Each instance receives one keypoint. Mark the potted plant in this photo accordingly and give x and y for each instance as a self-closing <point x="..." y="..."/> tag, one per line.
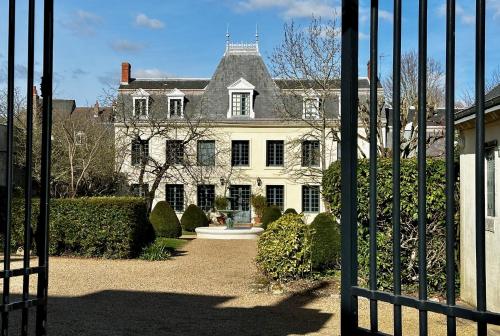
<point x="221" y="203"/>
<point x="259" y="203"/>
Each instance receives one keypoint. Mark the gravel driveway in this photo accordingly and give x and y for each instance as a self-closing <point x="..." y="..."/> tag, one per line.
<point x="205" y="290"/>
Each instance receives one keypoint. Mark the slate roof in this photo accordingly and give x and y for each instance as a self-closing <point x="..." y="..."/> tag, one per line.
<point x="63" y="106"/>
<point x="165" y="84"/>
<point x="492" y="98"/>
<point x="437" y="119"/>
<point x="290" y="84"/>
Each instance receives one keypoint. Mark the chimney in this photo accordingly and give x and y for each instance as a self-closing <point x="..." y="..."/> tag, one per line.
<point x="125" y="73"/>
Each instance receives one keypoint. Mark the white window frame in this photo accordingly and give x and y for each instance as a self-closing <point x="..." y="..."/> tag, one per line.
<point x="140" y="94"/>
<point x="310" y="95"/>
<point x="176" y="94"/>
<point x="241" y="86"/>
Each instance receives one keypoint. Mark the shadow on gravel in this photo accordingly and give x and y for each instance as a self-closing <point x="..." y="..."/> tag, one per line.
<point x="146" y="313"/>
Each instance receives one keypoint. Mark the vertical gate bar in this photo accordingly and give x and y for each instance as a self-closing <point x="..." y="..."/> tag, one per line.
<point x="10" y="161"/>
<point x="48" y="35"/>
<point x="396" y="163"/>
<point x="422" y="137"/>
<point x="349" y="138"/>
<point x="480" y="189"/>
<point x="450" y="164"/>
<point x="29" y="162"/>
<point x="373" y="160"/>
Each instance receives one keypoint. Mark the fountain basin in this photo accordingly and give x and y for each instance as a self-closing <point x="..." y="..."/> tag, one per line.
<point x="222" y="232"/>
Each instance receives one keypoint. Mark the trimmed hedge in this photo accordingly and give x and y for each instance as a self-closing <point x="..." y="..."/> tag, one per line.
<point x="193" y="217"/>
<point x="109" y="227"/>
<point x="165" y="221"/>
<point x="325" y="241"/>
<point x="290" y="211"/>
<point x="436" y="229"/>
<point x="284" y="249"/>
<point x="269" y="215"/>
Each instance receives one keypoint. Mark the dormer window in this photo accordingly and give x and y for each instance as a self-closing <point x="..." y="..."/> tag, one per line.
<point x="176" y="103"/>
<point x="311" y="105"/>
<point x="141" y="103"/>
<point x="241" y="99"/>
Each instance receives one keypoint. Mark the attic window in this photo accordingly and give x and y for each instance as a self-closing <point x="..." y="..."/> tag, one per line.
<point x="176" y="103"/>
<point x="141" y="103"/>
<point x="241" y="95"/>
<point x="311" y="105"/>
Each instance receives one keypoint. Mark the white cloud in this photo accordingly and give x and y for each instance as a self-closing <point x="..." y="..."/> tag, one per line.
<point x="82" y="23"/>
<point x="294" y="8"/>
<point x="142" y="20"/>
<point x="494" y="5"/>
<point x="150" y="73"/>
<point x="383" y="15"/>
<point x="126" y="46"/>
<point x="464" y="16"/>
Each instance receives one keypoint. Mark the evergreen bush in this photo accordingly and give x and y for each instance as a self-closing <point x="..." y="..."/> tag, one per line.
<point x="193" y="217"/>
<point x="165" y="221"/>
<point x="269" y="215"/>
<point x="325" y="250"/>
<point x="290" y="211"/>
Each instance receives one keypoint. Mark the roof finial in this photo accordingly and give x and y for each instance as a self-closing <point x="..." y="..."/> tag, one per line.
<point x="256" y="34"/>
<point x="227" y="34"/>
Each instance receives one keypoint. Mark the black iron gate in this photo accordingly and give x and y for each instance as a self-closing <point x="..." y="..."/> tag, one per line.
<point x="12" y="269"/>
<point x="350" y="290"/>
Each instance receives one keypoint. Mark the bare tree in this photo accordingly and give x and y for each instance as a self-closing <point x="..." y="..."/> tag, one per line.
<point x="410" y="102"/>
<point x="469" y="94"/>
<point x="307" y="64"/>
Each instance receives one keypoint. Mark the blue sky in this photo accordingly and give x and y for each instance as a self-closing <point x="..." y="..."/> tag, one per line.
<point x="186" y="38"/>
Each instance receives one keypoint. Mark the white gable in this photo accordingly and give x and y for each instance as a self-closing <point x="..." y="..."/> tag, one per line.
<point x="241" y="84"/>
<point x="140" y="93"/>
<point x="176" y="93"/>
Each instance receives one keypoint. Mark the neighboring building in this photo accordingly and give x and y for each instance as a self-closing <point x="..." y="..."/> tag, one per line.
<point x="250" y="146"/>
<point x="465" y="122"/>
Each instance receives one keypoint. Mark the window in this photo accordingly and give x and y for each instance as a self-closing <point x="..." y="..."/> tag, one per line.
<point x="175" y="152"/>
<point x="275" y="153"/>
<point x="311" y="108"/>
<point x="339" y="151"/>
<point x="175" y="107"/>
<point x="206" y="196"/>
<point x="240" y="153"/>
<point x="140" y="151"/>
<point x="310" y="153"/>
<point x="141" y="107"/>
<point x="310" y="198"/>
<point x="139" y="190"/>
<point x="240" y="104"/>
<point x="206" y="153"/>
<point x="80" y="138"/>
<point x="175" y="196"/>
<point x="490" y="183"/>
<point x="275" y="195"/>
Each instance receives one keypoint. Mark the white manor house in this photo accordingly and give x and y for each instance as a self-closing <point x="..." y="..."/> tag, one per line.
<point x="237" y="134"/>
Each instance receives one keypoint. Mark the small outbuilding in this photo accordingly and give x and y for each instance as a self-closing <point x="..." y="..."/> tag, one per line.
<point x="465" y="124"/>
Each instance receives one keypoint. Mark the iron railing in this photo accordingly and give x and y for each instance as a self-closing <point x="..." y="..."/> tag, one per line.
<point x="25" y="301"/>
<point x="350" y="291"/>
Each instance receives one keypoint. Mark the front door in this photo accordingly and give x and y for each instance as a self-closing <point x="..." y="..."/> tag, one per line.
<point x="240" y="201"/>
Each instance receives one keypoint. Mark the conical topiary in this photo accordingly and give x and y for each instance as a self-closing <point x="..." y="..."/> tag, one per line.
<point x="270" y="214"/>
<point x="193" y="217"/>
<point x="290" y="211"/>
<point x="165" y="221"/>
<point x="325" y="246"/>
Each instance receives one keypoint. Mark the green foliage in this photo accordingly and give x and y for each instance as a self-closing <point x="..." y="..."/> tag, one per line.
<point x="435" y="222"/>
<point x="284" y="249"/>
<point x="259" y="203"/>
<point x="193" y="217"/>
<point x="269" y="215"/>
<point x="165" y="221"/>
<point x="221" y="203"/>
<point x="290" y="211"/>
<point x="325" y="241"/>
<point x="161" y="249"/>
<point x="109" y="227"/>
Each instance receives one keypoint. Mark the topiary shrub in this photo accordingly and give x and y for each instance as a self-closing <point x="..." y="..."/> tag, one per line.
<point x="325" y="250"/>
<point x="193" y="217"/>
<point x="165" y="221"/>
<point x="269" y="215"/>
<point x="436" y="225"/>
<point x="221" y="203"/>
<point x="259" y="203"/>
<point x="290" y="211"/>
<point x="284" y="249"/>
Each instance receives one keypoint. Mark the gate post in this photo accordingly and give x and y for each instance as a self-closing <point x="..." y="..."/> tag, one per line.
<point x="349" y="136"/>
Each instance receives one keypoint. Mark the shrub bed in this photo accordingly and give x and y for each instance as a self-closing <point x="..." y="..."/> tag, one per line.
<point x="325" y="241"/>
<point x="436" y="230"/>
<point x="165" y="221"/>
<point x="193" y="217"/>
<point x="109" y="227"/>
